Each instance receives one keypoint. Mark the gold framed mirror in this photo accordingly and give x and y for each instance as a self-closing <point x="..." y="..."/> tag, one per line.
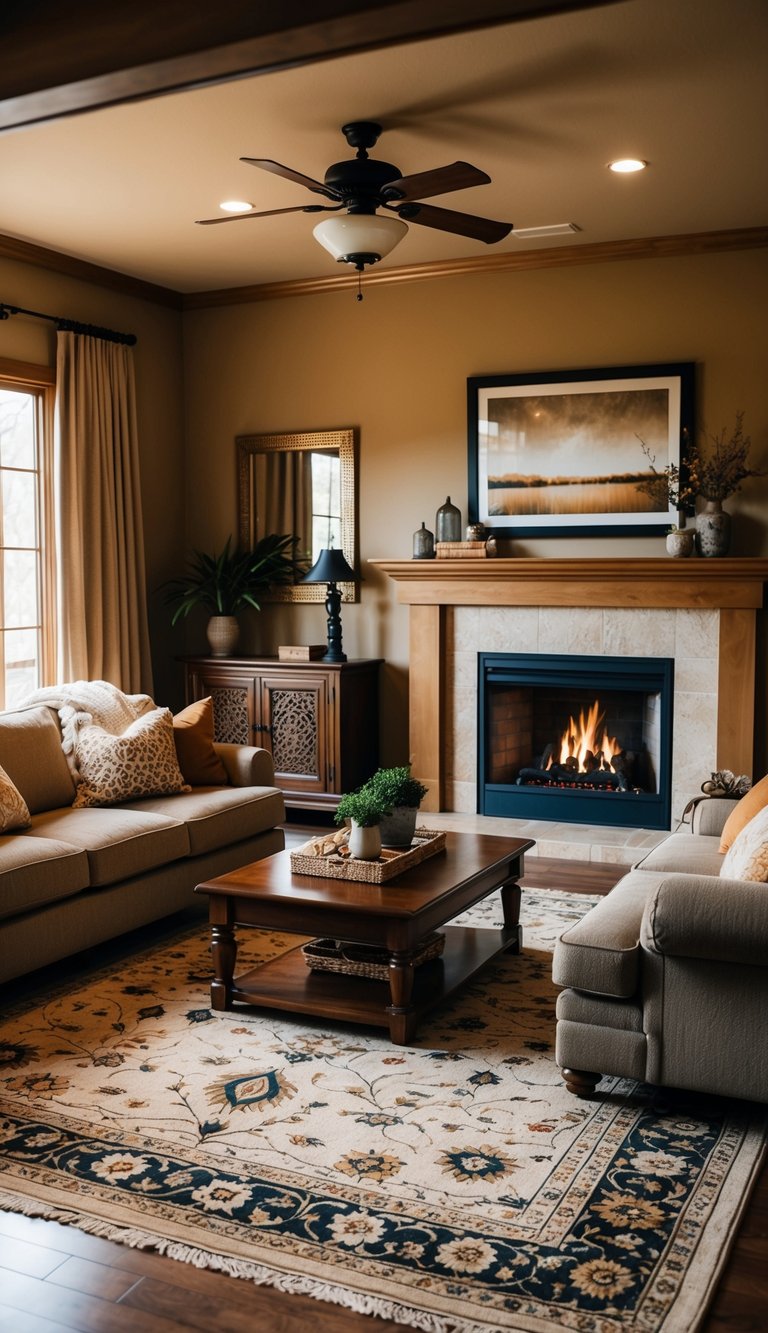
<point x="303" y="483"/>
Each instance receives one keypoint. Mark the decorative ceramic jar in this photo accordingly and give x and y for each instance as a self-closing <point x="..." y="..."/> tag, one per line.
<point x="223" y="633"/>
<point x="448" y="522"/>
<point x="681" y="541"/>
<point x="423" y="544"/>
<point x="475" y="532"/>
<point x="713" y="529"/>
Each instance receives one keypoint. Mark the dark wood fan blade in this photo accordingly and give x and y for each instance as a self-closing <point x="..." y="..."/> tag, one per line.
<point x="457" y="176"/>
<point x="270" y="213"/>
<point x="463" y="224"/>
<point x="289" y="174"/>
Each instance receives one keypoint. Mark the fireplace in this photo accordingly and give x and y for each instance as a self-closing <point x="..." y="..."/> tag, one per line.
<point x="581" y="739"/>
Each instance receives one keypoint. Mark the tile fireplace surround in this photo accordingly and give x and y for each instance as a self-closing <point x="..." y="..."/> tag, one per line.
<point x="702" y="613"/>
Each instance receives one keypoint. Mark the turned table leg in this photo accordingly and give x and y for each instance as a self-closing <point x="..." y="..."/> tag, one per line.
<point x="581" y="1082"/>
<point x="401" y="1019"/>
<point x="224" y="953"/>
<point x="510" y="905"/>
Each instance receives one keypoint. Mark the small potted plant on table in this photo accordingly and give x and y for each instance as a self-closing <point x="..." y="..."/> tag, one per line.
<point x="400" y="794"/>
<point x="364" y="810"/>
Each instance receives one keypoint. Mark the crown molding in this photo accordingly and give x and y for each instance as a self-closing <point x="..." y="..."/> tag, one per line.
<point x="651" y="247"/>
<point x="25" y="252"/>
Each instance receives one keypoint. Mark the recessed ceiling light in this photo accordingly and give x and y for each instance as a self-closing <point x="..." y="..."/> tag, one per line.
<point x="627" y="164"/>
<point x="235" y="206"/>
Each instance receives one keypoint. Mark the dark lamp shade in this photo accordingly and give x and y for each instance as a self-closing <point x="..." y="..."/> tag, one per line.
<point x="331" y="567"/>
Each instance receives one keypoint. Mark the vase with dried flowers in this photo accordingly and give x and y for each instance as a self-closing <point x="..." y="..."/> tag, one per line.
<point x="711" y="475"/>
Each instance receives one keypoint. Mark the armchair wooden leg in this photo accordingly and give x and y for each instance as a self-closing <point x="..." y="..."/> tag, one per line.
<point x="581" y="1082"/>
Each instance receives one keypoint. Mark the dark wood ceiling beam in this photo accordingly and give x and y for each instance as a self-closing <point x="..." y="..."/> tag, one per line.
<point x="58" y="59"/>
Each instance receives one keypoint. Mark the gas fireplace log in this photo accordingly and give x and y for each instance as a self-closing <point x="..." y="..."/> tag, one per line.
<point x="560" y="775"/>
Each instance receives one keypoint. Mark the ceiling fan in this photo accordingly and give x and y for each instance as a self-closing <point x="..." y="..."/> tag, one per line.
<point x="357" y="188"/>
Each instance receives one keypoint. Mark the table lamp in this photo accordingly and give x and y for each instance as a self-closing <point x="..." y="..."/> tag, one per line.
<point x="331" y="567"/>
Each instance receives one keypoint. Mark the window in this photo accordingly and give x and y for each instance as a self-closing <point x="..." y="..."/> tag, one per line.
<point x="27" y="641"/>
<point x="326" y="501"/>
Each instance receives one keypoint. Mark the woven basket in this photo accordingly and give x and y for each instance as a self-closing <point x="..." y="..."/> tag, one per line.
<point x="392" y="863"/>
<point x="363" y="960"/>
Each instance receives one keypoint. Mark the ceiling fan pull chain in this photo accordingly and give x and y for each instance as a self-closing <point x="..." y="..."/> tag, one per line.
<point x="359" y="284"/>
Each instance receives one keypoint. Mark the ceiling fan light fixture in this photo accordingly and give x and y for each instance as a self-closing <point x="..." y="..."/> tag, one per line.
<point x="359" y="238"/>
<point x="624" y="166"/>
<point x="235" y="206"/>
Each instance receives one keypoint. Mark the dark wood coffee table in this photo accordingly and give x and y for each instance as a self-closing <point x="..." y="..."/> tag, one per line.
<point x="396" y="916"/>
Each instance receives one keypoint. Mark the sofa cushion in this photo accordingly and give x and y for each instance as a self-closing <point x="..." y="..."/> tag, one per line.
<point x="601" y="953"/>
<point x="747" y="857"/>
<point x="193" y="737"/>
<point x="118" y="843"/>
<point x="141" y="761"/>
<point x="218" y="816"/>
<point x="36" y="871"/>
<point x="750" y="805"/>
<point x="14" y="811"/>
<point x="685" y="854"/>
<point x="31" y="754"/>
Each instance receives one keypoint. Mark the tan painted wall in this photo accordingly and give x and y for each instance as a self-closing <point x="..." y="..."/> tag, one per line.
<point x="396" y="367"/>
<point x="159" y="392"/>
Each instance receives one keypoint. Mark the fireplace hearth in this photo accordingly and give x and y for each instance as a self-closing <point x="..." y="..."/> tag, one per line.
<point x="575" y="738"/>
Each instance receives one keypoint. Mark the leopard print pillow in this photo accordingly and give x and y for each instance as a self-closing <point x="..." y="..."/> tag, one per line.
<point x="140" y="762"/>
<point x="14" y="812"/>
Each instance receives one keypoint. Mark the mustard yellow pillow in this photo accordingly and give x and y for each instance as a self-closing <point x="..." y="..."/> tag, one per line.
<point x="193" y="736"/>
<point x="755" y="800"/>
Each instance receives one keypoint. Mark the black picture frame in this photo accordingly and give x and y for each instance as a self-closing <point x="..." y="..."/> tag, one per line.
<point x="569" y="445"/>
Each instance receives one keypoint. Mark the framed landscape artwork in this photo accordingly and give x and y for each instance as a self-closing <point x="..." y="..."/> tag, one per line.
<point x="577" y="452"/>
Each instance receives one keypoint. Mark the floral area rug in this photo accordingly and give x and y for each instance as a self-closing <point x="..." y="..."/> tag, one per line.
<point x="452" y="1185"/>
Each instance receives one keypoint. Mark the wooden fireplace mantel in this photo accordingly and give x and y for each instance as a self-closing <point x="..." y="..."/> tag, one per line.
<point x="733" y="586"/>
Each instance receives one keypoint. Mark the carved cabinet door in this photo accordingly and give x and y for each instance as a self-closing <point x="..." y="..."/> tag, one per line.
<point x="294" y="721"/>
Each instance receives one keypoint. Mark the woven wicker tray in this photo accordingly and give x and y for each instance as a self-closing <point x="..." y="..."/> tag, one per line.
<point x="362" y="960"/>
<point x="426" y="842"/>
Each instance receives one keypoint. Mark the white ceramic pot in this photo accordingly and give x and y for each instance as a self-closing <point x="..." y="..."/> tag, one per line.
<point x="680" y="542"/>
<point x="365" y="843"/>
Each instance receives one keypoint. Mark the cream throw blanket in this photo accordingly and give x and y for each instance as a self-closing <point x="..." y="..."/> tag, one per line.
<point x="81" y="703"/>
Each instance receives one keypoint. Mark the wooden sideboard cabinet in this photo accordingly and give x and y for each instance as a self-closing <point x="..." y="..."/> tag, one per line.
<point x="320" y="720"/>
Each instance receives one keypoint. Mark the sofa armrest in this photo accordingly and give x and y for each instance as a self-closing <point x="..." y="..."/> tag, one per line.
<point x="703" y="916"/>
<point x="709" y="813"/>
<point x="246" y="765"/>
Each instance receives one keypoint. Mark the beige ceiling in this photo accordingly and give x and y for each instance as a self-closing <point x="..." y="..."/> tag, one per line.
<point x="541" y="105"/>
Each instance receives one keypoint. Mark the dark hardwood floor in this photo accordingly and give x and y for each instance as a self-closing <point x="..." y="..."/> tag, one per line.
<point x="55" y="1278"/>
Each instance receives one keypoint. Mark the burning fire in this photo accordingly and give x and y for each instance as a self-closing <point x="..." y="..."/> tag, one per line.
<point x="580" y="747"/>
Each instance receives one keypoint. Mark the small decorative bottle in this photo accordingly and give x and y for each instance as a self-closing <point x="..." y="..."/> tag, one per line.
<point x="448" y="522"/>
<point x="423" y="544"/>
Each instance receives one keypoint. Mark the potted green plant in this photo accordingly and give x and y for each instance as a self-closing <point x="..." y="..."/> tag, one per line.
<point x="227" y="583"/>
<point x="401" y="795"/>
<point x="364" y="810"/>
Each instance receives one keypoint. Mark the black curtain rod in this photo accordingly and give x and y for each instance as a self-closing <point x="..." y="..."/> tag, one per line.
<point x="71" y="325"/>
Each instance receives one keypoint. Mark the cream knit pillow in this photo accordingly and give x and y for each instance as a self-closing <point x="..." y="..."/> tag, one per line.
<point x="747" y="858"/>
<point x="14" y="812"/>
<point x="139" y="762"/>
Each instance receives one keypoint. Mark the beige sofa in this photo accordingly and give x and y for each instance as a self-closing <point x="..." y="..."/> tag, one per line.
<point x="75" y="877"/>
<point x="666" y="979"/>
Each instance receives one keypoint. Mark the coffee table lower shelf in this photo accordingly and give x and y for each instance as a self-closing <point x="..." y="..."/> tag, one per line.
<point x="287" y="983"/>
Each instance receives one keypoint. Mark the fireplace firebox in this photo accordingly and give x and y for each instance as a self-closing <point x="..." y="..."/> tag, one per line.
<point x="575" y="738"/>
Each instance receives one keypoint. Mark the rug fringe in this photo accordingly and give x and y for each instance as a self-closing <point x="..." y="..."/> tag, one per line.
<point x="291" y="1283"/>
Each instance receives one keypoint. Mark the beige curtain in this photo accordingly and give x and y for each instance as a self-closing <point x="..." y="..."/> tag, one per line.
<point x="103" y="632"/>
<point x="283" y="493"/>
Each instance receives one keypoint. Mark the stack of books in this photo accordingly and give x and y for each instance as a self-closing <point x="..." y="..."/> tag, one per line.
<point x="460" y="550"/>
